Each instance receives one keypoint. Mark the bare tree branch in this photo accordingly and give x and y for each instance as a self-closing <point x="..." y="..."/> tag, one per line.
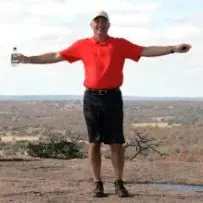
<point x="143" y="145"/>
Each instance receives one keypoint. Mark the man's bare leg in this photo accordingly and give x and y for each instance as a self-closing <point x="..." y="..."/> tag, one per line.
<point x="95" y="162"/>
<point x="117" y="158"/>
<point x="95" y="159"/>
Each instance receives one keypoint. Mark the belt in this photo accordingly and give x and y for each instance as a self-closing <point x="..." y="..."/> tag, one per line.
<point x="102" y="91"/>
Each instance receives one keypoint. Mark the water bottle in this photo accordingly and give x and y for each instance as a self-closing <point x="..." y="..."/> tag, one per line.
<point x="14" y="62"/>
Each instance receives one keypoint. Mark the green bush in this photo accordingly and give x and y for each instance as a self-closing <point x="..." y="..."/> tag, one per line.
<point x="60" y="150"/>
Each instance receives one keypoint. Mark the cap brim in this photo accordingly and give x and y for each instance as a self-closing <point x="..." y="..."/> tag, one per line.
<point x="100" y="16"/>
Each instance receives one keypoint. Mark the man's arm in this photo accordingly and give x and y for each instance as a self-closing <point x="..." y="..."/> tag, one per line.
<point x="152" y="51"/>
<point x="71" y="54"/>
<point x="51" y="57"/>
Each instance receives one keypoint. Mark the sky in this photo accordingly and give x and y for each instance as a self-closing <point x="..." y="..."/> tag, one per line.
<point x="36" y="27"/>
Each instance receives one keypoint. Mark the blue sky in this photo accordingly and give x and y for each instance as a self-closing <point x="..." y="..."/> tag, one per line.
<point x="37" y="27"/>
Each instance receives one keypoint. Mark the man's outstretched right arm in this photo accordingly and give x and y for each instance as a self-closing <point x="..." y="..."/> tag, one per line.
<point x="70" y="54"/>
<point x="51" y="57"/>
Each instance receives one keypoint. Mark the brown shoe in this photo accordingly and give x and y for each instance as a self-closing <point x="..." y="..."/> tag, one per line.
<point x="120" y="190"/>
<point x="99" y="189"/>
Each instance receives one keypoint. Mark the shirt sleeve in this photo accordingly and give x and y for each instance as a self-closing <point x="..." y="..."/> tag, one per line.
<point x="130" y="50"/>
<point x="72" y="53"/>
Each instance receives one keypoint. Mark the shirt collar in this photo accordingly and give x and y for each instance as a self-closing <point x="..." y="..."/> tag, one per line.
<point x="92" y="39"/>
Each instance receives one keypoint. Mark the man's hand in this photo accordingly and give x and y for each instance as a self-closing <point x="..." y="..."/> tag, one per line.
<point x="21" y="58"/>
<point x="182" y="48"/>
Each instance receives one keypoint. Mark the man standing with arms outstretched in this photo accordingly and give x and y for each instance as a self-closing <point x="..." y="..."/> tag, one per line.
<point x="103" y="57"/>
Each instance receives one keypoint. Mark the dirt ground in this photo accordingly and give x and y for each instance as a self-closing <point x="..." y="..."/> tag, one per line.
<point x="68" y="181"/>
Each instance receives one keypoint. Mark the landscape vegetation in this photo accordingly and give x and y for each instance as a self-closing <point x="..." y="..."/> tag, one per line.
<point x="43" y="151"/>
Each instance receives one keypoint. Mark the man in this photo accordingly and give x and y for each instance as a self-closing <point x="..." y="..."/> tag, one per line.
<point x="103" y="57"/>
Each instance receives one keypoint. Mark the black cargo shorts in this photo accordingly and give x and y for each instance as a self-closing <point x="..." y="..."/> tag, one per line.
<point x="103" y="113"/>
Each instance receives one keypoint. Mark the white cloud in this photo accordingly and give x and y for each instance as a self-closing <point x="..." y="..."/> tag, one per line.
<point x="130" y="20"/>
<point x="182" y="31"/>
<point x="37" y="26"/>
<point x="148" y="7"/>
<point x="24" y="32"/>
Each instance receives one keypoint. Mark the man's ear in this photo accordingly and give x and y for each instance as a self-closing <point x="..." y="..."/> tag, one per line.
<point x="109" y="24"/>
<point x="91" y="23"/>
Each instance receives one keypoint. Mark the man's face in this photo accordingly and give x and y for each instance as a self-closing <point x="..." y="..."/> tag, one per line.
<point x="100" y="26"/>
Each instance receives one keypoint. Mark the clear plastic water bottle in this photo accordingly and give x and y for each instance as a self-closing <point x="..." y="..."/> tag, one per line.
<point x="14" y="62"/>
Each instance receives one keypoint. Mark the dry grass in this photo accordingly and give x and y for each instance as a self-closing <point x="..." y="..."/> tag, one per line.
<point x="13" y="138"/>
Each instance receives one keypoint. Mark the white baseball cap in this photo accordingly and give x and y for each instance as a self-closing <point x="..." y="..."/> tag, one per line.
<point x="101" y="13"/>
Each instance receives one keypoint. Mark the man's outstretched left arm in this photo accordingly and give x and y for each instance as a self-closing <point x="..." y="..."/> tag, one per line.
<point x="153" y="51"/>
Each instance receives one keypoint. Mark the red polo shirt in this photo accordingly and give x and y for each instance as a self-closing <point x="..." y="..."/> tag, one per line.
<point x="103" y="62"/>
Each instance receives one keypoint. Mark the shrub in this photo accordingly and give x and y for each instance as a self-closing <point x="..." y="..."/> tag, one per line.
<point x="56" y="149"/>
